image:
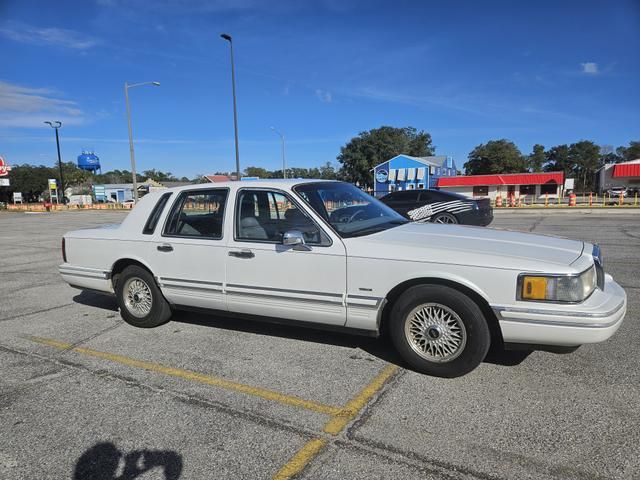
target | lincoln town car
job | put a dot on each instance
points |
(325, 253)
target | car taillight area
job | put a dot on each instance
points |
(64, 250)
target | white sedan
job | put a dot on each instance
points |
(321, 252)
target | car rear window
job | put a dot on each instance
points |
(150, 226)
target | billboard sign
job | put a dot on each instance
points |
(4, 168)
(4, 182)
(17, 197)
(53, 184)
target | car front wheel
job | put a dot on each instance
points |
(140, 300)
(439, 331)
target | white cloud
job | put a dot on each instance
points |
(590, 68)
(324, 96)
(26, 107)
(51, 36)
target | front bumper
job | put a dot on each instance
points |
(592, 321)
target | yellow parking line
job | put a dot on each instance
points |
(195, 377)
(301, 459)
(334, 426)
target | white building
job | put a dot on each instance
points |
(624, 174)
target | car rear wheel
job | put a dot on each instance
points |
(444, 218)
(439, 331)
(140, 300)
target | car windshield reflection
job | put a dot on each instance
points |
(350, 211)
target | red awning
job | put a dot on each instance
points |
(503, 179)
(626, 170)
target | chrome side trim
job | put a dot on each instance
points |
(285, 290)
(189, 287)
(201, 282)
(84, 272)
(282, 297)
(558, 313)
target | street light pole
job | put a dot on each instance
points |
(284, 163)
(131, 152)
(56, 125)
(228, 38)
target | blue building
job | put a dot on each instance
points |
(404, 172)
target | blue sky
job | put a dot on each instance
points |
(545, 72)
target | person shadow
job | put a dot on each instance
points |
(104, 461)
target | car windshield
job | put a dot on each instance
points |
(350, 211)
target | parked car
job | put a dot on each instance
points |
(440, 207)
(617, 191)
(326, 253)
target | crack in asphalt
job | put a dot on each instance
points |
(27, 314)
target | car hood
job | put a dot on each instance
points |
(465, 245)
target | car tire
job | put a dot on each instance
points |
(439, 331)
(444, 218)
(140, 300)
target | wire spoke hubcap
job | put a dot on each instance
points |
(435, 332)
(137, 297)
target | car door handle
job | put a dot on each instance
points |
(165, 247)
(244, 253)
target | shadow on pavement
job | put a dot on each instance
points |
(96, 299)
(104, 461)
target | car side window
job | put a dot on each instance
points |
(198, 213)
(265, 215)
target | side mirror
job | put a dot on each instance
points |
(292, 238)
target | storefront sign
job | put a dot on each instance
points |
(4, 168)
(382, 176)
(53, 184)
(4, 182)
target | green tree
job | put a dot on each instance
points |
(558, 158)
(632, 152)
(30, 180)
(368, 149)
(328, 172)
(584, 158)
(257, 172)
(537, 158)
(159, 176)
(496, 156)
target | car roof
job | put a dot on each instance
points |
(287, 183)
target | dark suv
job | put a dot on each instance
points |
(440, 207)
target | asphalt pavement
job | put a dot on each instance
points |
(84, 395)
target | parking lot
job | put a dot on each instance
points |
(84, 395)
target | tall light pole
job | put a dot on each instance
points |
(131, 153)
(227, 37)
(284, 163)
(56, 125)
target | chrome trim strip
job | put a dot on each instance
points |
(185, 287)
(84, 272)
(202, 282)
(279, 297)
(95, 277)
(363, 297)
(286, 290)
(558, 313)
(562, 324)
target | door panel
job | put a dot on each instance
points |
(267, 278)
(190, 254)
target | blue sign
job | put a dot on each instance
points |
(382, 176)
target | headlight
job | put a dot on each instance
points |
(557, 288)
